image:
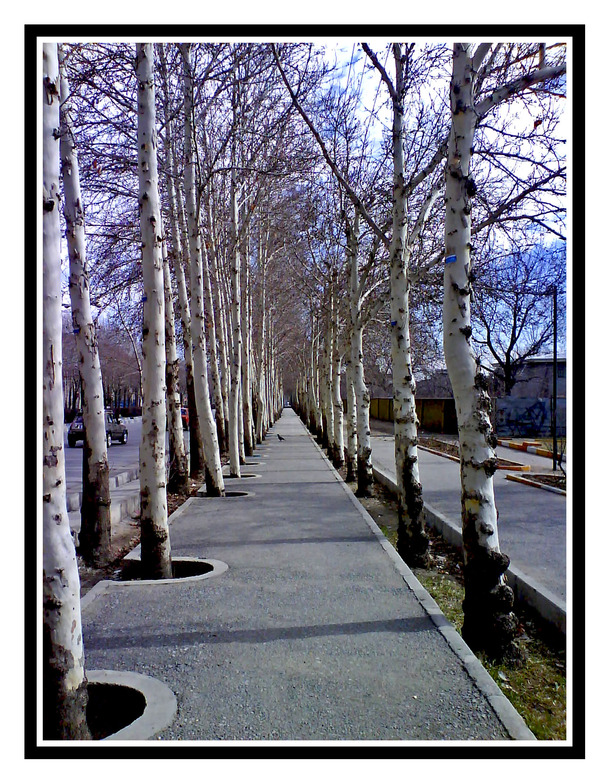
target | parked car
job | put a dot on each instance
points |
(115, 429)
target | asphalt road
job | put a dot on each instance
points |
(120, 456)
(531, 521)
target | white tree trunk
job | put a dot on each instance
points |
(64, 685)
(363, 398)
(178, 472)
(221, 333)
(240, 423)
(317, 386)
(234, 398)
(363, 406)
(312, 379)
(351, 447)
(155, 544)
(214, 478)
(412, 541)
(183, 273)
(246, 367)
(488, 621)
(337, 402)
(213, 342)
(325, 391)
(179, 261)
(95, 531)
(261, 401)
(270, 374)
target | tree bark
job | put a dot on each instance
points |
(181, 265)
(155, 544)
(95, 532)
(338, 452)
(221, 333)
(363, 398)
(489, 624)
(325, 390)
(412, 543)
(316, 386)
(246, 366)
(64, 692)
(213, 341)
(178, 481)
(261, 402)
(351, 449)
(214, 478)
(234, 397)
(196, 438)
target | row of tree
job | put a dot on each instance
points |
(254, 219)
(457, 172)
(184, 241)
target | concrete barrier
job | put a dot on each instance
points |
(549, 607)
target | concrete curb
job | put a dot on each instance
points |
(525, 447)
(105, 586)
(550, 607)
(125, 505)
(161, 703)
(515, 467)
(74, 499)
(504, 709)
(532, 483)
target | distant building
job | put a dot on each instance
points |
(435, 386)
(527, 410)
(535, 377)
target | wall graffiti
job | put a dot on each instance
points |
(528, 417)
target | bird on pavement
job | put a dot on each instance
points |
(281, 438)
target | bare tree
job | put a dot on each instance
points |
(512, 307)
(214, 478)
(178, 472)
(64, 683)
(489, 623)
(155, 544)
(95, 530)
(178, 255)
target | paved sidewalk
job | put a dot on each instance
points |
(315, 631)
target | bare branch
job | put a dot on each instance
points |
(348, 189)
(480, 55)
(388, 82)
(517, 86)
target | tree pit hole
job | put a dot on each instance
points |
(181, 569)
(228, 494)
(111, 707)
